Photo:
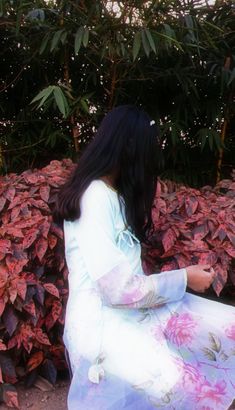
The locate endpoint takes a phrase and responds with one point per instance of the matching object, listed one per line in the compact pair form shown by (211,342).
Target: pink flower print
(190,375)
(209,394)
(158,334)
(230,332)
(180,329)
(135,291)
(128,289)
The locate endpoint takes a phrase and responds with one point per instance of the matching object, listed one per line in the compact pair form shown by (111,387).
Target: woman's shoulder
(98,193)
(99,187)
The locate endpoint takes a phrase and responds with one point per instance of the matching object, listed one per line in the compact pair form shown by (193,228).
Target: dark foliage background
(175,58)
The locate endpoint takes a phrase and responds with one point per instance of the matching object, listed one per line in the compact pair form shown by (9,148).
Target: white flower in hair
(152,123)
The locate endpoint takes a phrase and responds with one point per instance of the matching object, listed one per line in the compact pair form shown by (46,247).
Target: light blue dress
(138,342)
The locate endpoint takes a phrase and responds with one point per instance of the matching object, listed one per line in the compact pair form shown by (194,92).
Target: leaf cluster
(193,226)
(33,278)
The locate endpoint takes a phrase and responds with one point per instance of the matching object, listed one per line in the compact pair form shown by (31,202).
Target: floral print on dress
(192,377)
(230,332)
(131,291)
(181,329)
(158,334)
(214,395)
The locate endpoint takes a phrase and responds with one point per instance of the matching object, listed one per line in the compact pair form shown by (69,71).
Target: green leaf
(150,39)
(232,77)
(145,43)
(43,95)
(84,105)
(169,31)
(136,45)
(203,142)
(206,22)
(1,8)
(44,43)
(63,37)
(211,141)
(171,39)
(103,53)
(61,101)
(44,99)
(85,37)
(211,136)
(78,40)
(190,25)
(174,134)
(56,39)
(189,21)
(123,50)
(19,17)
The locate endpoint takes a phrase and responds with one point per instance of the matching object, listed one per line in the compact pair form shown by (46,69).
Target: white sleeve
(109,267)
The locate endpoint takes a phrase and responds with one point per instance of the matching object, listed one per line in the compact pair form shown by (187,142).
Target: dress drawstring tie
(126,236)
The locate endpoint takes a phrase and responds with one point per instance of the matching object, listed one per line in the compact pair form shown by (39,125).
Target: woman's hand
(200,277)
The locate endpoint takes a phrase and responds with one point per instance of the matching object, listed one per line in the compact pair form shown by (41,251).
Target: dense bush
(33,275)
(191,226)
(194,226)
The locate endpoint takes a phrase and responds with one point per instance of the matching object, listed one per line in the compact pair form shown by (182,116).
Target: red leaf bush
(194,226)
(191,226)
(33,278)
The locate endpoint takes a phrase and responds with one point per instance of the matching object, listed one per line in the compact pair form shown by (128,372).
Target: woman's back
(97,198)
(100,234)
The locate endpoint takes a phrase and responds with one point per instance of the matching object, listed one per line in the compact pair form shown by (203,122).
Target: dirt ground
(34,399)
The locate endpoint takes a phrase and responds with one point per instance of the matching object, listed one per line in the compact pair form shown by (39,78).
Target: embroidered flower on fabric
(181,329)
(136,292)
(190,375)
(230,332)
(207,393)
(158,334)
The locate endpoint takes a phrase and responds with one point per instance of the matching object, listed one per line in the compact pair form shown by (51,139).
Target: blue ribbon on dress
(124,235)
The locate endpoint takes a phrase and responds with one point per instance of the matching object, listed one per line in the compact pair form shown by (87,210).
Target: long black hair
(126,142)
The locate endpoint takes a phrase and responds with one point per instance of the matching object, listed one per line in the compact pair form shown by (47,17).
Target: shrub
(33,278)
(194,226)
(190,226)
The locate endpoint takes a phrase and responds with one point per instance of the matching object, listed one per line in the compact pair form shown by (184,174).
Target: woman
(135,341)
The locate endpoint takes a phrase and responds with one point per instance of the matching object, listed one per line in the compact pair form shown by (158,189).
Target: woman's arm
(121,288)
(140,291)
(109,267)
